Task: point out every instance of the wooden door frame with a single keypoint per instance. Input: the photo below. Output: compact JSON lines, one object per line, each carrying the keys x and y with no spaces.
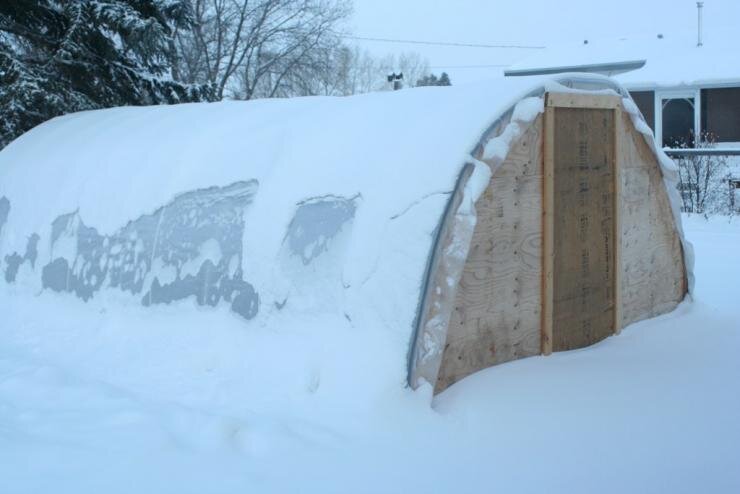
{"x":574,"y":100}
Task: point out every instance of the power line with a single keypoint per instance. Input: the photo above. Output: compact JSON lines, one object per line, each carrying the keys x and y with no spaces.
{"x":468,"y":66}
{"x":440,"y":43}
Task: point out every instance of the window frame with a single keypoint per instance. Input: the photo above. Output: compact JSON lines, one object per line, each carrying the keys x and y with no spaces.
{"x":663,"y":94}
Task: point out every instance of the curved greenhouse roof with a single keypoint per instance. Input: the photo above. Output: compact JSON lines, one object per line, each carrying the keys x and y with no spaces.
{"x":304,"y":206}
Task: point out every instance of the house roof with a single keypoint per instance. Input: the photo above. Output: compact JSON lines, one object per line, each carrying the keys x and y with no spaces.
{"x":609,"y":68}
{"x":646,"y":62}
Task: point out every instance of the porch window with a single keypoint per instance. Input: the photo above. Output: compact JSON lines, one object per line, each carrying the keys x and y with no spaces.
{"x":678,"y":122}
{"x":677,"y":117}
{"x":720,"y":113}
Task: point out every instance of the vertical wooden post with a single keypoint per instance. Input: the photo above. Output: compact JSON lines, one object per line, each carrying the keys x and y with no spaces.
{"x":548,"y":202}
{"x":618,"y":133}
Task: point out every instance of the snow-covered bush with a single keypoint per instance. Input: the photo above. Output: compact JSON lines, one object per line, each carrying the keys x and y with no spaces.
{"x":703,"y":179}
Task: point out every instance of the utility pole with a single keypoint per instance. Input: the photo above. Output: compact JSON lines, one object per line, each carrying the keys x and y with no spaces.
{"x":699,"y":6}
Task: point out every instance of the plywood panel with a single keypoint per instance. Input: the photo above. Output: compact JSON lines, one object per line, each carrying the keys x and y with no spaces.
{"x":499,"y":302}
{"x":497,"y":309}
{"x":583,"y":234}
{"x":653,"y":278}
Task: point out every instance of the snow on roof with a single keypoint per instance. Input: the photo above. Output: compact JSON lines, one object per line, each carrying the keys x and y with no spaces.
{"x":114,"y":165}
{"x":670,"y":60}
{"x":320,"y":203}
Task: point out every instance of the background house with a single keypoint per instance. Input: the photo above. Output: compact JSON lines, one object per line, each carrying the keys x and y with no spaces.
{"x":684,"y":85}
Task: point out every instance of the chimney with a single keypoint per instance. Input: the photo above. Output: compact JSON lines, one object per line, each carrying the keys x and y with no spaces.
{"x":396,"y":81}
{"x":699,"y":6}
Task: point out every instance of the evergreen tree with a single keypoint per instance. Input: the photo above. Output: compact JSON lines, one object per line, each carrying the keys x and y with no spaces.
{"x":427,"y":80}
{"x":433,"y":80}
{"x":61,"y":56}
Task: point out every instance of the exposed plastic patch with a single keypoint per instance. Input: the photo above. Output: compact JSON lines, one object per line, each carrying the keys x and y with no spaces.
{"x":190,"y":247}
{"x":4,"y":211}
{"x":315,"y":223}
{"x":15,"y":260}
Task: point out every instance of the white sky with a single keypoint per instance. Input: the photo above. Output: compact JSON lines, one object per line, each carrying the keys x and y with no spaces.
{"x":529,"y":22}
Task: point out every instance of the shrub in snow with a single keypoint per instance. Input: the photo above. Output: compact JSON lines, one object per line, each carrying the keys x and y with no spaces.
{"x":703,"y":179}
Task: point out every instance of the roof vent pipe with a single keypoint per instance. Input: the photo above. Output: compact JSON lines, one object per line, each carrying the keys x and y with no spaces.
{"x":699,"y":6}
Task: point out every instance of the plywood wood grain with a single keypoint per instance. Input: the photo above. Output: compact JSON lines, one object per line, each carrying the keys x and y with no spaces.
{"x":497,"y":309}
{"x":583,"y":243}
{"x":653,"y":279}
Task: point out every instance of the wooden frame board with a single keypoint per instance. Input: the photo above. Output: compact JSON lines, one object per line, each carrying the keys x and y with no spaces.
{"x":547,"y":227}
{"x":607,"y":313}
{"x":581,"y":100}
{"x":618,"y":264}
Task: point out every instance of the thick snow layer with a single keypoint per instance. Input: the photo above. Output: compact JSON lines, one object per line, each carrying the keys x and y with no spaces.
{"x":336,"y":200}
{"x":673,"y":60}
{"x":169,"y":399}
{"x":524,"y":113}
{"x":140,"y":158}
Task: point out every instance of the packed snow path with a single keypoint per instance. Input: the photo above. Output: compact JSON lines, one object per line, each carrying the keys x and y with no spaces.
{"x":140,"y":402}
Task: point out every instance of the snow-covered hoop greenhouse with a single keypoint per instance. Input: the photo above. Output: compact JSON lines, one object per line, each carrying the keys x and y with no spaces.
{"x":465,"y":226}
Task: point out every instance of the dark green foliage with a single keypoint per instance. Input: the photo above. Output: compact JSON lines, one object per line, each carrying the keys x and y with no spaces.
{"x":433,"y":80}
{"x":61,"y":56}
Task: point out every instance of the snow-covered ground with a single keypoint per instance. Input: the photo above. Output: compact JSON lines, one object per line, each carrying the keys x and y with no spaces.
{"x":97,"y":401}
